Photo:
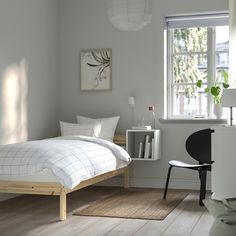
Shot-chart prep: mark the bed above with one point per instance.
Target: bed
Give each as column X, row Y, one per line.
column 42, row 167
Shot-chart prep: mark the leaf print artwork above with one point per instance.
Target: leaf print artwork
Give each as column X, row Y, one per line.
column 96, row 69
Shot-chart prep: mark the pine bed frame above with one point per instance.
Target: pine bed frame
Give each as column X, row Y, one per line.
column 57, row 189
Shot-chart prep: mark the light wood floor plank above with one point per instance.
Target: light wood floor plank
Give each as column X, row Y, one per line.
column 76, row 225
column 127, row 227
column 203, row 226
column 102, row 227
column 187, row 219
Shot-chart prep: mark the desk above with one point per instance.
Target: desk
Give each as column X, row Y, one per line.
column 224, row 166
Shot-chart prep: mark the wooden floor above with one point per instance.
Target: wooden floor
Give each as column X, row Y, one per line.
column 38, row 215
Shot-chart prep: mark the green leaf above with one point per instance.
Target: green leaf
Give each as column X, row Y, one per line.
column 215, row 90
column 207, row 90
column 225, row 85
column 199, row 83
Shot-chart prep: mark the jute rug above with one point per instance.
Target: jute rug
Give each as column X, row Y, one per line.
column 136, row 204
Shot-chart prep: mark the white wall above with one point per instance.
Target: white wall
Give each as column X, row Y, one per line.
column 29, row 30
column 138, row 70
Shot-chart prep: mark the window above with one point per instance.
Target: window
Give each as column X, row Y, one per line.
column 197, row 48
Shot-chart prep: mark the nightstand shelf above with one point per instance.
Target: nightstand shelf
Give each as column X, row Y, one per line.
column 143, row 145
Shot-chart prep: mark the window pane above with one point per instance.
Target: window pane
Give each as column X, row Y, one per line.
column 189, row 68
column 190, row 39
column 222, row 47
column 222, row 60
column 189, row 101
column 222, row 38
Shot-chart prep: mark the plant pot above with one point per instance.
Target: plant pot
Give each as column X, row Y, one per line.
column 218, row 111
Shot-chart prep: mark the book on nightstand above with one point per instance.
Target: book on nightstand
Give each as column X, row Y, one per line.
column 153, row 148
column 140, row 151
column 147, row 146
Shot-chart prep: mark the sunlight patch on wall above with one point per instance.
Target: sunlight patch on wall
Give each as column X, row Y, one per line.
column 14, row 103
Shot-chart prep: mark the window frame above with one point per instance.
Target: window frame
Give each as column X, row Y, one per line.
column 211, row 60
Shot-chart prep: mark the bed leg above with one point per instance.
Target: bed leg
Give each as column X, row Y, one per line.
column 126, row 178
column 63, row 205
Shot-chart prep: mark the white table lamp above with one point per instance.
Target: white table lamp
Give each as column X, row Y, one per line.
column 131, row 102
column 229, row 100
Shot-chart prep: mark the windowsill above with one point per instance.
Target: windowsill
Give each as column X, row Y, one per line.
column 193, row 121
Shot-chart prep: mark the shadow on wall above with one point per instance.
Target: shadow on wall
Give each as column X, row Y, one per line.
column 14, row 103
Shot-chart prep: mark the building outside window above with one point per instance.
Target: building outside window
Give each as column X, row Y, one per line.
column 197, row 48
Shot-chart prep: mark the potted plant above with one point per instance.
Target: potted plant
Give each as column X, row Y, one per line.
column 220, row 82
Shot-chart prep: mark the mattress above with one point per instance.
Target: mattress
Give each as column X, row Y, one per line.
column 67, row 160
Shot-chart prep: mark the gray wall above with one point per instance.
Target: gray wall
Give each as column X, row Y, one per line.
column 29, row 30
column 138, row 70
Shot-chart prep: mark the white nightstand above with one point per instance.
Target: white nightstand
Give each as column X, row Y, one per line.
column 144, row 144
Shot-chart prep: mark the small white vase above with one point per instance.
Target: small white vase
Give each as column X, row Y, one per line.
column 218, row 111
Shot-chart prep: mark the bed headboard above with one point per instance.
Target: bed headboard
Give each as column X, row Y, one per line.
column 119, row 139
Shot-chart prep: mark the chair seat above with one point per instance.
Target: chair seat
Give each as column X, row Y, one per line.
column 186, row 165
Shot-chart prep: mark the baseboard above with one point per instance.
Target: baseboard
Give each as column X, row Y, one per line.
column 157, row 183
column 5, row 196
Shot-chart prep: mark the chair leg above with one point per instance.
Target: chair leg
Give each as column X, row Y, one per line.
column 167, row 182
column 203, row 176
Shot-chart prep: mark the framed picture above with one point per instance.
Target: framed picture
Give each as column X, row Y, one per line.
column 95, row 70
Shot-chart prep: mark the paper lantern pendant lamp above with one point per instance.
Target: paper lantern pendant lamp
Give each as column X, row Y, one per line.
column 129, row 15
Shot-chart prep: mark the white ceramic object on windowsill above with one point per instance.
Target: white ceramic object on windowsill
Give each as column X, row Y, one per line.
column 218, row 111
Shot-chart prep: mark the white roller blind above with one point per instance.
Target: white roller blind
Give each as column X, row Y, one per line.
column 200, row 20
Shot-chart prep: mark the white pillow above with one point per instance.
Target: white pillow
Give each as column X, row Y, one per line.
column 108, row 125
column 92, row 130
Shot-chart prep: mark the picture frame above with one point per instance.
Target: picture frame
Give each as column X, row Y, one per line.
column 95, row 69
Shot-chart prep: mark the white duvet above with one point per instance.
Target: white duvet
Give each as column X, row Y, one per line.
column 71, row 158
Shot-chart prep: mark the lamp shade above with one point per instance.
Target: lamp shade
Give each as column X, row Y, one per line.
column 129, row 15
column 229, row 98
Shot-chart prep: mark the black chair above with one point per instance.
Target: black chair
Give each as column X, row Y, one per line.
column 198, row 146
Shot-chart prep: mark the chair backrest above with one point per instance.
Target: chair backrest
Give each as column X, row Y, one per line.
column 198, row 145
